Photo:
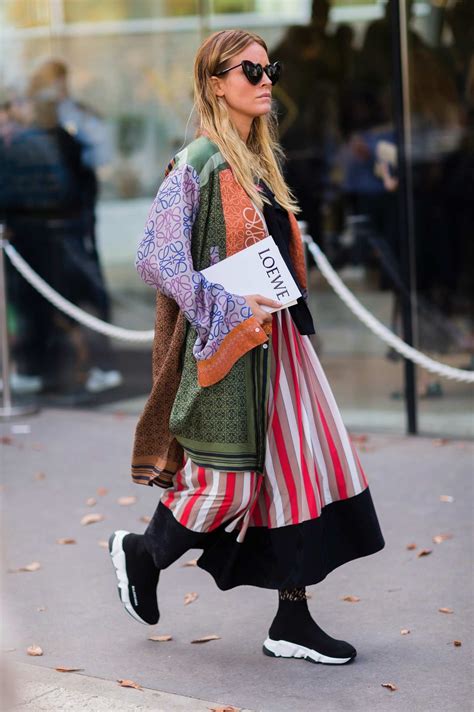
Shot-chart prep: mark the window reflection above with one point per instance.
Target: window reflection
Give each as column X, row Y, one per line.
column 101, row 135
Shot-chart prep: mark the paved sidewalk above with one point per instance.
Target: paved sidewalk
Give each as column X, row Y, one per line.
column 70, row 606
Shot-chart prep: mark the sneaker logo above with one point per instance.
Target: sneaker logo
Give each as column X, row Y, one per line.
column 135, row 599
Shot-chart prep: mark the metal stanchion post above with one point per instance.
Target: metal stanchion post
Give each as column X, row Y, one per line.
column 7, row 410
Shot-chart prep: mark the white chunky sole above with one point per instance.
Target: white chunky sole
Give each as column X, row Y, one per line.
column 285, row 649
column 118, row 559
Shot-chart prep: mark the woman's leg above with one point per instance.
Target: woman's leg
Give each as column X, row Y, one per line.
column 294, row 633
column 200, row 501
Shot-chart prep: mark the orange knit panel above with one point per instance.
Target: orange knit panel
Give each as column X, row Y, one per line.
column 244, row 225
column 297, row 251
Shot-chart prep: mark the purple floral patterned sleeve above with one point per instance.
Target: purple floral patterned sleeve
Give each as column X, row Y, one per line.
column 164, row 261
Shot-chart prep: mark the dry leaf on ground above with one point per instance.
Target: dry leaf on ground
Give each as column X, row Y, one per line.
column 145, row 519
column 40, row 609
column 125, row 501
column 439, row 538
column 445, row 610
column 160, row 638
column 34, row 650
column 66, row 541
column 190, row 597
column 359, row 438
column 440, row 441
column 6, row 440
column 446, row 498
column 351, row 599
column 404, row 631
column 411, row 546
column 457, row 643
column 206, row 638
column 424, row 552
column 34, row 566
column 226, row 708
column 129, row 683
column 91, row 518
column 91, row 501
column 191, row 562
column 61, row 668
column 102, row 491
column 389, row 685
column 40, row 476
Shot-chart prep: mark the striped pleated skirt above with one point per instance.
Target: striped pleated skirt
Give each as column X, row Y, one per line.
column 309, row 512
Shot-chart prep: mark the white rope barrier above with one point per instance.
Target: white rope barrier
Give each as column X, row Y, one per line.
column 114, row 332
column 117, row 332
column 377, row 328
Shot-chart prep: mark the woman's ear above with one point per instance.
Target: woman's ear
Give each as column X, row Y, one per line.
column 217, row 86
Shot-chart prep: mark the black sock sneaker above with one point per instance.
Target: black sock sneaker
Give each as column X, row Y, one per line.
column 294, row 634
column 137, row 576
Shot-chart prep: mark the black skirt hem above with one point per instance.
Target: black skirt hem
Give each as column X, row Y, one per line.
column 284, row 557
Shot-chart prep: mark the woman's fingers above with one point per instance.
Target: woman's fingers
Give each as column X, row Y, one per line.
column 255, row 302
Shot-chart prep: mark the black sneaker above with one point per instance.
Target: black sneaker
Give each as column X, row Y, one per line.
column 137, row 576
column 295, row 634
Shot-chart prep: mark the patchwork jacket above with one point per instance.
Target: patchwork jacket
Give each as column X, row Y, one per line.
column 210, row 355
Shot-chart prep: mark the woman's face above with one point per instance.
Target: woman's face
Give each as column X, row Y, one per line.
column 242, row 97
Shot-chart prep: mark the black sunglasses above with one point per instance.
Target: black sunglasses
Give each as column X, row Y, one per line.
column 254, row 72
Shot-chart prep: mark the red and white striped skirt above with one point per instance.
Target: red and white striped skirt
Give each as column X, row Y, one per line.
column 310, row 460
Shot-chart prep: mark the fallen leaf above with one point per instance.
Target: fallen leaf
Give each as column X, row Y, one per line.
column 129, row 683
column 191, row 562
column 61, row 668
column 424, row 552
column 103, row 543
column 34, row 650
column 439, row 538
column 359, row 438
column 91, row 501
column 446, row 498
column 40, row 476
column 102, row 491
column 40, row 609
column 125, row 501
column 457, row 643
column 445, row 610
column 226, row 708
column 91, row 518
column 160, row 638
column 440, row 441
column 206, row 639
column 411, row 546
column 34, row 566
column 404, row 631
column 66, row 541
column 351, row 599
column 189, row 598
column 6, row 440
column 145, row 518
column 390, row 686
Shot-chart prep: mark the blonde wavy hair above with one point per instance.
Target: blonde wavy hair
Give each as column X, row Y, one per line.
column 261, row 156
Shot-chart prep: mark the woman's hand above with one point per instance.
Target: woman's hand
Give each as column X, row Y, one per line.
column 255, row 302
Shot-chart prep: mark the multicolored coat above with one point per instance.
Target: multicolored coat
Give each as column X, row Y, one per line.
column 210, row 354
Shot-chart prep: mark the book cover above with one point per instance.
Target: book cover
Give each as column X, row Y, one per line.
column 258, row 269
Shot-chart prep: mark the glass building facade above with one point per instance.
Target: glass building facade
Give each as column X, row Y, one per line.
column 376, row 115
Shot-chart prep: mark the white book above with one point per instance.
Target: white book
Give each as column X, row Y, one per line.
column 258, row 269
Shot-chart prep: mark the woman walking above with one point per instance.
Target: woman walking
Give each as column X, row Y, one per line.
column 241, row 427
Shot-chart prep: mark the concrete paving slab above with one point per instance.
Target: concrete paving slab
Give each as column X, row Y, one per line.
column 71, row 609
